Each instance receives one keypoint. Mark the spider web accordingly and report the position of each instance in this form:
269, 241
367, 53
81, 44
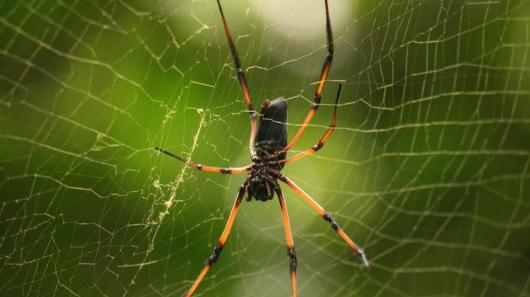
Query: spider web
428, 169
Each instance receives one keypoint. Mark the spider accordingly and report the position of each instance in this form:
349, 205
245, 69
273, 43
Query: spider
268, 150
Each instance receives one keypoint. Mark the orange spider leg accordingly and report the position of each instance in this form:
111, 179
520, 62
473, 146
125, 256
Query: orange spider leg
200, 167
322, 140
289, 239
242, 82
222, 240
322, 81
327, 217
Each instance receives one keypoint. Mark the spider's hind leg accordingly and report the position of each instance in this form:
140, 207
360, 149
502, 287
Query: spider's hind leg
324, 137
242, 82
321, 82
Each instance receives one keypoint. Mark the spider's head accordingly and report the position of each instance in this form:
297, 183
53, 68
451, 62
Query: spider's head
260, 188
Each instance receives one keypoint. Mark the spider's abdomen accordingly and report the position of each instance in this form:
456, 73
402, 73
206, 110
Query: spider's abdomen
272, 131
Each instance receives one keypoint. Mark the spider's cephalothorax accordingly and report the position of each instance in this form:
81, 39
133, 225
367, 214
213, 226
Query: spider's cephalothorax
268, 148
271, 138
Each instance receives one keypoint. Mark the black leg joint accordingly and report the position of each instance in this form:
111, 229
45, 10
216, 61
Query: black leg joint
242, 189
293, 263
241, 77
226, 171
318, 146
215, 255
316, 104
331, 221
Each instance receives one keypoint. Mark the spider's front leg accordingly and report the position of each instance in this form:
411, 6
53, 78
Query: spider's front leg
289, 239
225, 170
222, 240
327, 217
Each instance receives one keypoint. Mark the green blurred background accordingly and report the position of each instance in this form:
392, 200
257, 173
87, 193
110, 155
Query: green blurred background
428, 169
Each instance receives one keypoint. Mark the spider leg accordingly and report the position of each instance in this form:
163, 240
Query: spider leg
322, 81
327, 217
289, 239
322, 140
220, 244
200, 167
242, 82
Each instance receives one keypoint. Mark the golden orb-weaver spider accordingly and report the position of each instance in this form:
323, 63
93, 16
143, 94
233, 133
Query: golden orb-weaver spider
268, 150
